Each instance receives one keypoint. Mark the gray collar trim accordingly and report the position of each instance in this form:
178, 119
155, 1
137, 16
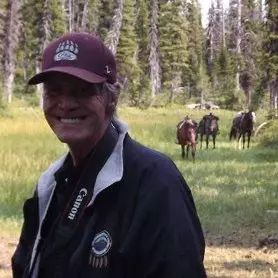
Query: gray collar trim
111, 172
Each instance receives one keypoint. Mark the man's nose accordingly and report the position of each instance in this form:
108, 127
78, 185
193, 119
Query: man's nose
68, 102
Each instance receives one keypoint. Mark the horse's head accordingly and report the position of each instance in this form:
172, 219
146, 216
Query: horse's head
211, 123
250, 116
247, 121
188, 132
192, 133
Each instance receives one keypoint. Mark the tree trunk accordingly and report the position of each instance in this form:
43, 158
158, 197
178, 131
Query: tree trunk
113, 35
238, 41
70, 15
84, 16
249, 99
223, 27
10, 41
154, 55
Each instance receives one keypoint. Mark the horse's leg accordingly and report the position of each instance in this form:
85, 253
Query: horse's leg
243, 140
182, 151
193, 151
213, 139
238, 138
231, 134
201, 139
187, 150
207, 140
248, 138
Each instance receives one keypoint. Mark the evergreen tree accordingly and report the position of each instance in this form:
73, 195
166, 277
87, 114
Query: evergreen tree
215, 37
106, 12
41, 22
127, 54
173, 45
250, 47
93, 16
225, 81
195, 47
234, 39
3, 12
142, 33
113, 36
272, 54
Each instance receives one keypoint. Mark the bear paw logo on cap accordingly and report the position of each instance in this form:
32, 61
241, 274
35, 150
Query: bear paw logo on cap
66, 50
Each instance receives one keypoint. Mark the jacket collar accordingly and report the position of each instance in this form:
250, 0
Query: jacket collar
111, 172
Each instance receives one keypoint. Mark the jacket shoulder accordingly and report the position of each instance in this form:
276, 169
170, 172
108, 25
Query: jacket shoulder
137, 153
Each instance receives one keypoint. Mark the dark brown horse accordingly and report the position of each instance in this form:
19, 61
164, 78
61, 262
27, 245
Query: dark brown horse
186, 134
242, 125
208, 126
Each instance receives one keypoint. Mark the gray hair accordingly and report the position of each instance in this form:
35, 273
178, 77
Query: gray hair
111, 91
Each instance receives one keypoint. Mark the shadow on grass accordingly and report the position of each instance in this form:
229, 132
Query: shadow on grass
249, 265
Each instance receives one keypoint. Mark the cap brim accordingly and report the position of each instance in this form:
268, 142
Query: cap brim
80, 73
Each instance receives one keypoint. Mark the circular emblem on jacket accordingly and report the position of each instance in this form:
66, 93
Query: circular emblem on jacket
101, 243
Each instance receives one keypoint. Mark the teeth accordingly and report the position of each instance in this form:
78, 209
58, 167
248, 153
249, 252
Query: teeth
70, 120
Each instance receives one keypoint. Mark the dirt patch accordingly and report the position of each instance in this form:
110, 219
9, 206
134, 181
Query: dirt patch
225, 261
7, 247
222, 260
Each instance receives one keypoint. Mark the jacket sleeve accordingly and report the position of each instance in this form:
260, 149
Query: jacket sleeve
21, 257
167, 228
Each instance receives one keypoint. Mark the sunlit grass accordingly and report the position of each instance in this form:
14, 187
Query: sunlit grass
231, 187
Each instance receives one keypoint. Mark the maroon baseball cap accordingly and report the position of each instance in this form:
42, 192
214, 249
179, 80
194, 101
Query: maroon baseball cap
79, 54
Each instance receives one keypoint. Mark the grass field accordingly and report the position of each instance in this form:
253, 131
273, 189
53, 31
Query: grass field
235, 190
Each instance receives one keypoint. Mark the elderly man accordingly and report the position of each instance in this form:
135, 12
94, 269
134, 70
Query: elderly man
110, 207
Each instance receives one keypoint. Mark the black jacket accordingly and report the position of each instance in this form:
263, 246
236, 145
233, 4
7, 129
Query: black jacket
142, 225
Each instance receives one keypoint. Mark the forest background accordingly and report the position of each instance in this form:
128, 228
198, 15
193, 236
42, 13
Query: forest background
164, 54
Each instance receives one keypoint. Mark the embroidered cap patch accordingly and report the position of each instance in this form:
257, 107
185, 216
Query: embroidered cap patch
66, 50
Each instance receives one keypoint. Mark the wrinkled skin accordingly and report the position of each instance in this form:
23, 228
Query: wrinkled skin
76, 112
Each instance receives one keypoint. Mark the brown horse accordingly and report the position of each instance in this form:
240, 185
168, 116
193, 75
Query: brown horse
243, 125
186, 134
208, 126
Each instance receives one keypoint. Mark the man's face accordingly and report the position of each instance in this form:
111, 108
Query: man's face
75, 110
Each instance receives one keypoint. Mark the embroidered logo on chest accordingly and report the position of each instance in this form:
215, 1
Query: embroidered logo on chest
101, 245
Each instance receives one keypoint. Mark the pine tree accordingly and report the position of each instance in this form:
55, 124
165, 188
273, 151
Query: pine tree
106, 12
250, 47
195, 47
127, 54
173, 45
113, 36
41, 22
215, 38
272, 54
234, 38
142, 33
93, 16
3, 12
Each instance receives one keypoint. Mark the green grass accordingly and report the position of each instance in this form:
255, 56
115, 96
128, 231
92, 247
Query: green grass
232, 188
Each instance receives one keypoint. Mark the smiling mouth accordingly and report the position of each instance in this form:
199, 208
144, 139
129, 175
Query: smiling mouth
71, 120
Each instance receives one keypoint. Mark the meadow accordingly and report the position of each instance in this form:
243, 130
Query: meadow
235, 190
